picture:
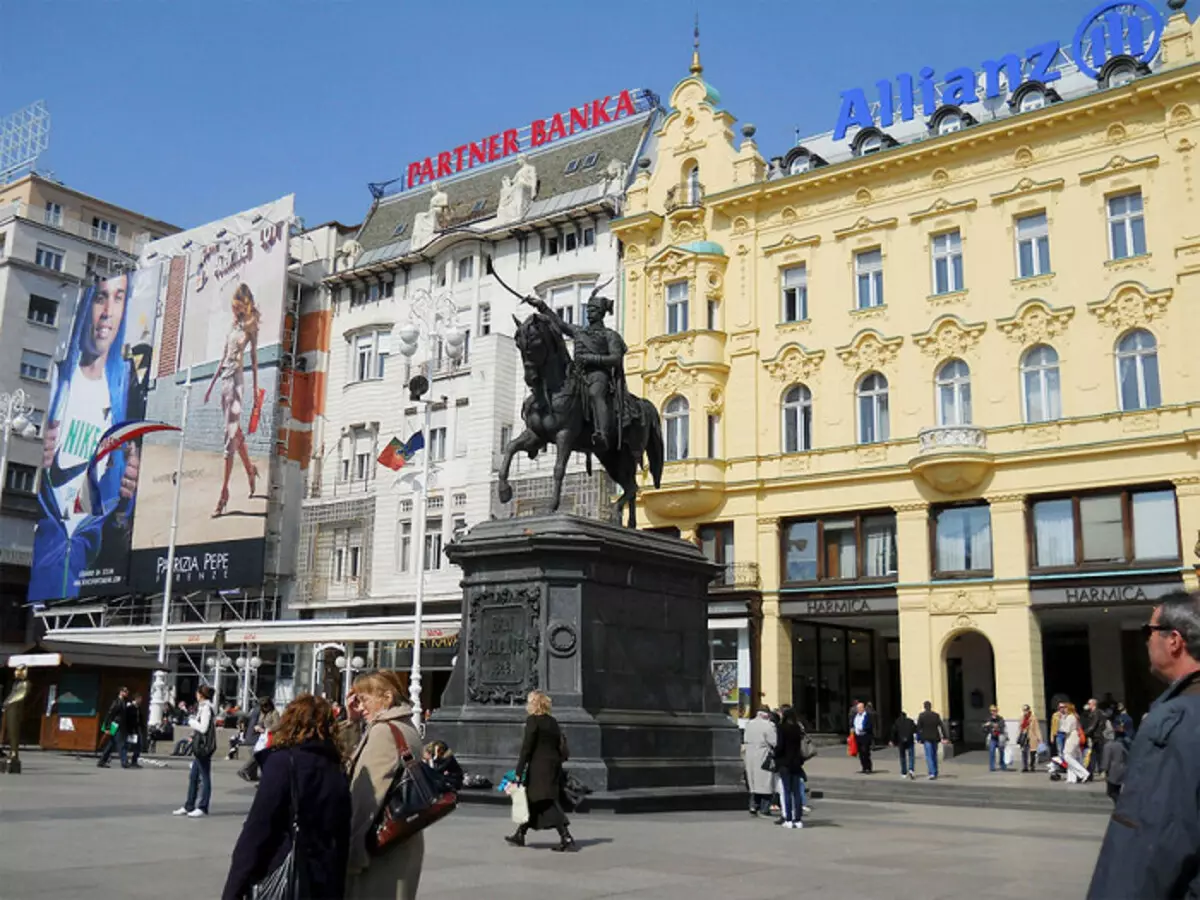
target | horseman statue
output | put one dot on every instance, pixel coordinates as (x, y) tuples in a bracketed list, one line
[(581, 403)]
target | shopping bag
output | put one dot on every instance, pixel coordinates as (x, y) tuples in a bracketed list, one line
[(852, 746), (520, 804)]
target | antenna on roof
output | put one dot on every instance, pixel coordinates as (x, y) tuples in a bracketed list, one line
[(797, 135), (24, 136)]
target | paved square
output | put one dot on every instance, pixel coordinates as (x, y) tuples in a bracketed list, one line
[(68, 829)]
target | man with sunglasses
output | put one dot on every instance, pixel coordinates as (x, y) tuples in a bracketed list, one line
[(1152, 847)]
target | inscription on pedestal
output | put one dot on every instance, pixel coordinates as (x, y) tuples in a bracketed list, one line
[(504, 638)]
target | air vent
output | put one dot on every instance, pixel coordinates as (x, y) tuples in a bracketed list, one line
[(572, 167), (400, 229), (590, 159)]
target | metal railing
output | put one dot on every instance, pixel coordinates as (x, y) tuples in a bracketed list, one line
[(952, 437), (736, 577), (684, 197)]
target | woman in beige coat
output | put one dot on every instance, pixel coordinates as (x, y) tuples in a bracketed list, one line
[(396, 873)]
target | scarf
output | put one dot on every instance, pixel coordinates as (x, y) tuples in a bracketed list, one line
[(1025, 721)]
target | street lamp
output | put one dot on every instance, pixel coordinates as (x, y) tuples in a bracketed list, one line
[(14, 416), (356, 664), (433, 317), (246, 666)]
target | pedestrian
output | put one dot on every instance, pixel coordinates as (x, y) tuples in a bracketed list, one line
[(1123, 727), (932, 731), (864, 734), (1150, 848), (540, 770), (114, 726), (263, 720), (302, 763), (1072, 745), (1029, 739), (760, 738), (789, 763), (204, 745), (1058, 728), (1096, 727), (135, 729), (1114, 765), (373, 765), (439, 757), (904, 732), (996, 732)]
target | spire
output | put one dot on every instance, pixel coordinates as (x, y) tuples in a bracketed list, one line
[(696, 68)]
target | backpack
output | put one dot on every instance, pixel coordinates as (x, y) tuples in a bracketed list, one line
[(807, 748), (205, 745)]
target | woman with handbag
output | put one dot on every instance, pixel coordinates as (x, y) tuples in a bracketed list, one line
[(395, 873), (1030, 739), (540, 771), (303, 798)]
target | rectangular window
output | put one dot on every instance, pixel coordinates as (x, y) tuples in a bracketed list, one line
[(404, 547), (963, 540), (355, 561), (433, 545), (506, 432), (1126, 226), (437, 444), (49, 257), (345, 470), (589, 237), (570, 241), (462, 415), (35, 365), (716, 542), (20, 478), (373, 292), (381, 357), (563, 301), (42, 310), (795, 294), (485, 319), (714, 435), (1105, 529), (550, 245), (466, 268), (441, 274), (713, 312), (104, 231), (1033, 245), (677, 307), (53, 213), (868, 268), (362, 463), (947, 262), (841, 548), (339, 563), (365, 350)]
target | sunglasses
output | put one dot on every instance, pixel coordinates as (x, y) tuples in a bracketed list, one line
[(1149, 628)]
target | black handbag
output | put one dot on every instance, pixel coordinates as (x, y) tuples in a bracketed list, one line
[(417, 798), (286, 882)]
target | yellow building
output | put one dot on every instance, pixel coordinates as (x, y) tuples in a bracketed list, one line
[(927, 390)]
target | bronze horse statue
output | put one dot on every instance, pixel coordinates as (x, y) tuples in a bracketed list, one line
[(556, 412)]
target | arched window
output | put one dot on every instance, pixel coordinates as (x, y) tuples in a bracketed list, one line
[(950, 123), (797, 419), (872, 409), (1039, 384), (693, 186), (1032, 100), (800, 164), (675, 414), (871, 144), (954, 393), (1137, 371)]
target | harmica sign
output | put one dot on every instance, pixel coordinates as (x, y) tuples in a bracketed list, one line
[(1132, 28)]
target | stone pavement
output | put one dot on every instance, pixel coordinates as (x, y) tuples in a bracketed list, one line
[(68, 829)]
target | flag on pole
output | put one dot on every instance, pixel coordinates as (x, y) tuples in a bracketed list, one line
[(397, 455)]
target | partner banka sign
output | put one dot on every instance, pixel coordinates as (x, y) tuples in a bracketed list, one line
[(1132, 28)]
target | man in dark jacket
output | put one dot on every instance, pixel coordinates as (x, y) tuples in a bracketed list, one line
[(904, 731), (116, 736), (1152, 847), (135, 729), (864, 733), (1095, 724), (931, 730)]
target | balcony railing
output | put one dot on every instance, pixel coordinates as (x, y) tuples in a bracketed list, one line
[(950, 438), (736, 577), (684, 197)]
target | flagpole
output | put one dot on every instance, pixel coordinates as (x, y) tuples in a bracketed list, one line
[(414, 687)]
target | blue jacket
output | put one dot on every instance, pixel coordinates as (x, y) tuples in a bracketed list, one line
[(266, 837), (1152, 847)]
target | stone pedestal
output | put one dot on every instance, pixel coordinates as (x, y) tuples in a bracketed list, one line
[(613, 625)]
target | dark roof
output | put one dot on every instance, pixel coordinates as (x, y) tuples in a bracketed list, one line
[(620, 141)]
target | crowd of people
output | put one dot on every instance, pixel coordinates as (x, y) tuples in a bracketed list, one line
[(777, 746)]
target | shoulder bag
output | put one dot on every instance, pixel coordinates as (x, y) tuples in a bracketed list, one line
[(285, 883), (417, 798), (204, 744)]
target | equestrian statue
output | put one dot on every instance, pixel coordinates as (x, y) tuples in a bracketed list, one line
[(581, 403)]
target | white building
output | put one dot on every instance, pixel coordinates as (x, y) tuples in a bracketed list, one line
[(541, 220)]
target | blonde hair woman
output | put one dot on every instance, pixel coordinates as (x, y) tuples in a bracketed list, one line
[(540, 769), (397, 872)]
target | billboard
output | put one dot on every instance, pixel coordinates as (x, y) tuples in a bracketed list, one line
[(198, 325)]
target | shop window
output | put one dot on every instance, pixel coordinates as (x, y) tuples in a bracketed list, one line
[(1040, 384), (954, 393), (1105, 529), (962, 540), (723, 651), (1137, 371), (853, 547)]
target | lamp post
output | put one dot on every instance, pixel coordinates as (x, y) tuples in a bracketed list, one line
[(218, 663), (432, 317), (246, 666), (14, 416), (349, 667)]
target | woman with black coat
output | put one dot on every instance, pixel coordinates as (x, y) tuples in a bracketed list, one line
[(789, 762), (540, 770), (301, 748)]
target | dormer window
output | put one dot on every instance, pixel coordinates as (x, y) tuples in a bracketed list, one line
[(950, 119), (1120, 71), (400, 229), (1032, 100), (572, 167), (800, 164), (871, 144), (799, 160), (871, 140), (950, 124), (590, 159), (1032, 95)]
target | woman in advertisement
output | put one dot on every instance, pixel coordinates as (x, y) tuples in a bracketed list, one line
[(243, 333), (91, 391)]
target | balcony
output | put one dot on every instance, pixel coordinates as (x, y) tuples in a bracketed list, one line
[(735, 577), (690, 488), (680, 197), (952, 459), (76, 227)]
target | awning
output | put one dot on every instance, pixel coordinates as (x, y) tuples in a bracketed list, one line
[(73, 654)]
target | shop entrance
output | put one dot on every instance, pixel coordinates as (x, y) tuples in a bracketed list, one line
[(835, 664), (970, 685)]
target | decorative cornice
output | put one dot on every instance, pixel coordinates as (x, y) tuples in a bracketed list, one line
[(1116, 166), (1027, 186), (1035, 322), (671, 378), (910, 507), (869, 350), (949, 336), (790, 242), (942, 207), (865, 225), (794, 363), (1131, 304)]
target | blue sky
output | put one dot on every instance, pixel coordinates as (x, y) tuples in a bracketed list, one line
[(189, 111)]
